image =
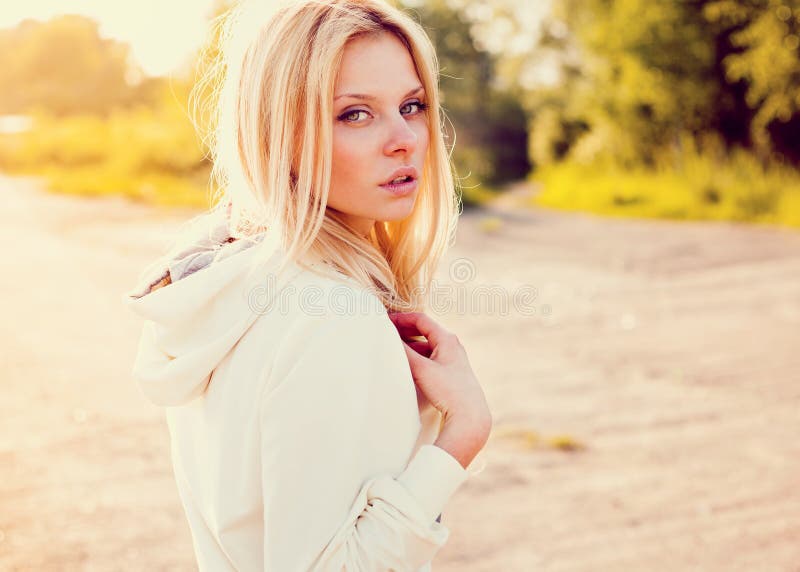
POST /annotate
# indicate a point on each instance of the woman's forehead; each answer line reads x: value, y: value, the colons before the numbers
x: 376, y: 65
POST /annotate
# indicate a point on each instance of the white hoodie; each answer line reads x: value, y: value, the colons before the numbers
x: 298, y: 440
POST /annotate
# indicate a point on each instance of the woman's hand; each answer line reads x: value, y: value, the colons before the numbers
x: 442, y: 372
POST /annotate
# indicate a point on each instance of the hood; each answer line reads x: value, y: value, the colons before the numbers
x: 195, y: 304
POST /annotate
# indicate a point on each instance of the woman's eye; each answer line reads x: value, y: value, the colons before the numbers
x: 352, y: 116
x: 359, y: 115
x: 412, y: 107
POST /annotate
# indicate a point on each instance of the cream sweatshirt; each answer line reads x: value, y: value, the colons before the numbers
x: 298, y: 441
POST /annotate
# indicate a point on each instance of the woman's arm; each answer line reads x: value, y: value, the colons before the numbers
x: 335, y: 497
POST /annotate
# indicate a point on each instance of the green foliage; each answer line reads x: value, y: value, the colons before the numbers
x: 489, y: 124
x: 766, y: 35
x: 686, y: 182
x: 638, y: 83
x: 671, y: 109
x: 144, y: 153
x: 645, y: 72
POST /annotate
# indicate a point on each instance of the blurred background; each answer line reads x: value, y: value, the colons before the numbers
x: 635, y: 161
x: 660, y: 109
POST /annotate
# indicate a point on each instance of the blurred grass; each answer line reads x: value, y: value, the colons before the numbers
x: 690, y: 184
x: 530, y: 439
x: 146, y: 154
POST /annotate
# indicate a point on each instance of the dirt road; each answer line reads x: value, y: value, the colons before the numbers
x: 667, y: 352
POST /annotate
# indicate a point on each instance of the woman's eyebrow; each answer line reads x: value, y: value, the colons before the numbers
x: 373, y: 98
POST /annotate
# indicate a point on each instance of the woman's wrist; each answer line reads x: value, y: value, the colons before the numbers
x: 477, y: 425
x: 463, y: 441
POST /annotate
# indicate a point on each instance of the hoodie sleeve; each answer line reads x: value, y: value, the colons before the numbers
x: 325, y: 509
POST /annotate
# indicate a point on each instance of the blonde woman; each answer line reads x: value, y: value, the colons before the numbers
x: 319, y: 419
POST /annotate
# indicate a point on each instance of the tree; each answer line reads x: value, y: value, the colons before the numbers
x: 636, y: 76
x: 489, y: 122
x: 761, y: 40
x: 641, y: 80
x: 64, y: 66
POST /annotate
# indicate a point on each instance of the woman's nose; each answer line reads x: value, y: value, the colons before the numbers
x: 401, y: 137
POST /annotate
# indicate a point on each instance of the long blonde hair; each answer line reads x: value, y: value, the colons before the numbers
x: 271, y: 139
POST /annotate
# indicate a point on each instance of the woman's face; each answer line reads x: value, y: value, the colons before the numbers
x: 380, y: 132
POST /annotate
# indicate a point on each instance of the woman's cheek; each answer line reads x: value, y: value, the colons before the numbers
x: 423, y: 137
x: 349, y: 146
x: 345, y: 153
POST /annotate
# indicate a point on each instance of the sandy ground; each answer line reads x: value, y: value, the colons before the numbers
x: 668, y: 350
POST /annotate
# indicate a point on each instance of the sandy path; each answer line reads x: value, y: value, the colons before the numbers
x: 670, y: 350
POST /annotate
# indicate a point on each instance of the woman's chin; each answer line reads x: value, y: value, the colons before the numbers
x: 401, y: 209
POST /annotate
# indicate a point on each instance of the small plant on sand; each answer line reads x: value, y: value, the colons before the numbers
x: 532, y: 440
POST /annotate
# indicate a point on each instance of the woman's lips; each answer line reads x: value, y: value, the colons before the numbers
x: 401, y: 189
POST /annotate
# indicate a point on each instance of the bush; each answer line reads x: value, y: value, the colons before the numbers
x: 145, y: 154
x: 687, y: 183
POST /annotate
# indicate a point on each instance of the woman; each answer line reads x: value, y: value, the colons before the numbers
x: 273, y: 335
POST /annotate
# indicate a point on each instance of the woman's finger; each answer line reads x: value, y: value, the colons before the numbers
x: 422, y: 348
x: 426, y: 325
x: 414, y: 338
x: 408, y: 332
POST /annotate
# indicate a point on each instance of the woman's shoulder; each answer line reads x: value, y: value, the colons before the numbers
x: 318, y: 289
x: 324, y: 320
x: 306, y: 302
